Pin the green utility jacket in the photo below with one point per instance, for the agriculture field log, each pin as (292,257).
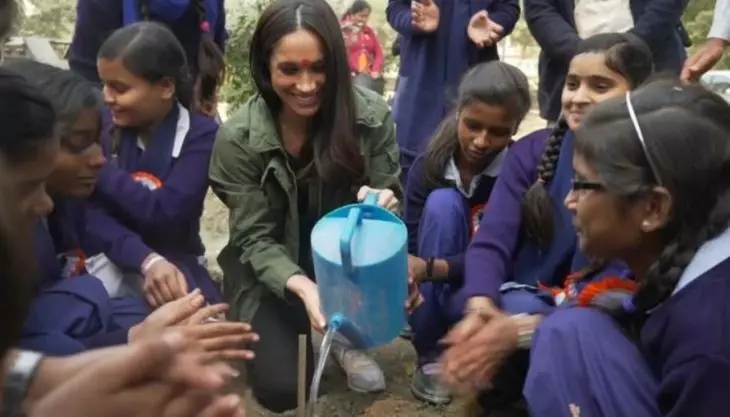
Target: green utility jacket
(250,173)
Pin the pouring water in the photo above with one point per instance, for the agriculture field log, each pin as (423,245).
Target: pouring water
(360,259)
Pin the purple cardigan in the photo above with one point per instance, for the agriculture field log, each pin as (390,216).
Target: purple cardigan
(165,220)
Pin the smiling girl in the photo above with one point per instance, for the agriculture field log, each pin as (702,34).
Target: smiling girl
(158,151)
(651,188)
(526,238)
(305,144)
(446,193)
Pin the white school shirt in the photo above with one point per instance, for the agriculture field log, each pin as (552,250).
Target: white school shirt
(451,173)
(602,16)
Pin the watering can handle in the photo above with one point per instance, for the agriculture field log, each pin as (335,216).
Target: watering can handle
(371,198)
(353,219)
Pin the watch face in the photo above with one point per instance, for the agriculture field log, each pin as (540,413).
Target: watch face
(16,382)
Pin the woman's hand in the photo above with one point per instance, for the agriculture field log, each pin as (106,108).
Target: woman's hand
(163,282)
(416,274)
(386,197)
(470,364)
(158,377)
(478,311)
(219,339)
(483,31)
(306,290)
(425,15)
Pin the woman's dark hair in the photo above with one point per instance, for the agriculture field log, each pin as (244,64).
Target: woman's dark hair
(210,63)
(337,156)
(28,121)
(150,51)
(626,55)
(493,83)
(356,7)
(68,92)
(675,121)
(27,117)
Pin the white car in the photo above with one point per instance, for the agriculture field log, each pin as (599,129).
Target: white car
(717,81)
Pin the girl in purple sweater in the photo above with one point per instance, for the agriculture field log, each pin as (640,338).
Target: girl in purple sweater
(156,179)
(651,188)
(526,238)
(446,193)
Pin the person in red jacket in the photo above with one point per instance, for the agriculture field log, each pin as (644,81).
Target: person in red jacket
(364,52)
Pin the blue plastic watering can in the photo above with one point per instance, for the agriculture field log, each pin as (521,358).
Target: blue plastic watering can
(360,255)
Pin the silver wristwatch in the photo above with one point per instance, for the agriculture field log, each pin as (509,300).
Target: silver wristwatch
(17,381)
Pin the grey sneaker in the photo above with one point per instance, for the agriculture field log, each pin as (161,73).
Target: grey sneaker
(426,385)
(363,373)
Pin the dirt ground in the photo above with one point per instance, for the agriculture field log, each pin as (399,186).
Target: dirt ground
(396,359)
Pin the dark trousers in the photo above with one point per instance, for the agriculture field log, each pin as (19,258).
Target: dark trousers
(272,374)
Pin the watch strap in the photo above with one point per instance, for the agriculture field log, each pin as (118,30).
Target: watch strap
(429,268)
(17,381)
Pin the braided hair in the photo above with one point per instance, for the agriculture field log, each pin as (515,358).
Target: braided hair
(675,121)
(626,55)
(28,122)
(211,66)
(210,63)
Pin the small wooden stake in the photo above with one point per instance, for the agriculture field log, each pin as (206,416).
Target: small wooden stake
(302,377)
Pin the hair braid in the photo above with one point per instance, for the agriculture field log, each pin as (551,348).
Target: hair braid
(211,66)
(537,206)
(664,274)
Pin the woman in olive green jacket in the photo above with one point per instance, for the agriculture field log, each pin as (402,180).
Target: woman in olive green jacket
(307,143)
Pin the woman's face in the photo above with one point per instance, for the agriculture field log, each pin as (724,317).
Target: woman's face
(23,184)
(607,226)
(133,101)
(361,17)
(80,158)
(589,82)
(483,131)
(297,68)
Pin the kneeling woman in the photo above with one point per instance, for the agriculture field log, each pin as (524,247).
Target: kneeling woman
(651,188)
(448,188)
(159,152)
(305,144)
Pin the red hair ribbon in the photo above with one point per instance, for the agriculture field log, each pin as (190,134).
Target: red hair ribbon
(205,26)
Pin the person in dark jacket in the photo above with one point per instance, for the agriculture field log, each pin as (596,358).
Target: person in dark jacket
(442,39)
(559,25)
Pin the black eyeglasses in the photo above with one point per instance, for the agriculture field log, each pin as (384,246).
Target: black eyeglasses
(579,185)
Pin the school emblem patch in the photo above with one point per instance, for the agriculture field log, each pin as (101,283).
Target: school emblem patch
(73,263)
(477,212)
(147,179)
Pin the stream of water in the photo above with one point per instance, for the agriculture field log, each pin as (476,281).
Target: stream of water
(324,353)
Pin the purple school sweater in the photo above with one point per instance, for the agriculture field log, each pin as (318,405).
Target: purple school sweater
(417,192)
(687,343)
(167,219)
(489,259)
